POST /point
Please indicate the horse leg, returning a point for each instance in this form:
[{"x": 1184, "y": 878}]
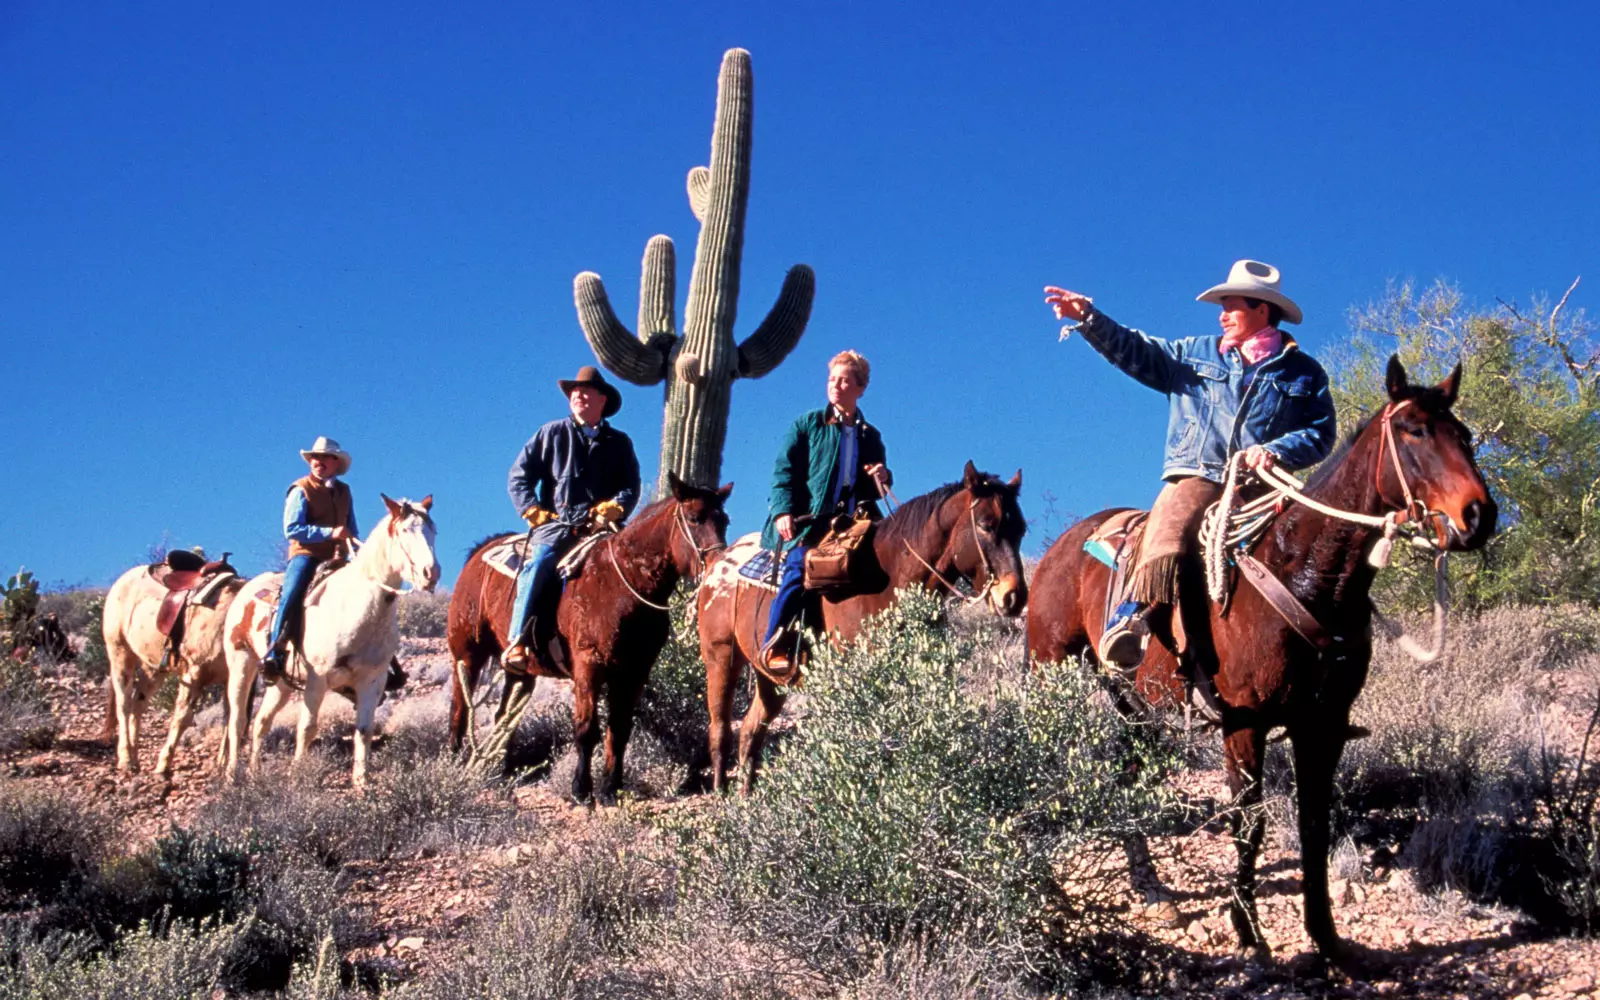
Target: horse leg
[
  {"x": 1245, "y": 749},
  {"x": 124, "y": 685},
  {"x": 182, "y": 716},
  {"x": 765, "y": 707},
  {"x": 241, "y": 675},
  {"x": 1316, "y": 756},
  {"x": 310, "y": 704},
  {"x": 722, "y": 682},
  {"x": 272, "y": 699},
  {"x": 622, "y": 694},
  {"x": 585, "y": 727},
  {"x": 366, "y": 708},
  {"x": 468, "y": 668}
]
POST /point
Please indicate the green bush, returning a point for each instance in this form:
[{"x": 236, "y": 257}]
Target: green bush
[
  {"x": 179, "y": 963},
  {"x": 913, "y": 801},
  {"x": 93, "y": 660},
  {"x": 672, "y": 707}
]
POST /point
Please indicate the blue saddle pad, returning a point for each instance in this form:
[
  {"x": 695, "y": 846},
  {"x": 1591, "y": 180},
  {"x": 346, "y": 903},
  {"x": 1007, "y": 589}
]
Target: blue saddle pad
[{"x": 760, "y": 567}]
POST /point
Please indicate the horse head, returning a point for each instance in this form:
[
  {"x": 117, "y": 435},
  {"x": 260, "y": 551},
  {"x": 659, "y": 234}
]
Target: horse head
[
  {"x": 1425, "y": 465},
  {"x": 985, "y": 544},
  {"x": 703, "y": 525},
  {"x": 408, "y": 536}
]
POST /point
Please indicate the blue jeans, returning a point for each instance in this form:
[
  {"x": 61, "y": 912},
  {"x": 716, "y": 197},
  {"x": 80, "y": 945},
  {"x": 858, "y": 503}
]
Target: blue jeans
[
  {"x": 533, "y": 581},
  {"x": 789, "y": 600},
  {"x": 296, "y": 579}
]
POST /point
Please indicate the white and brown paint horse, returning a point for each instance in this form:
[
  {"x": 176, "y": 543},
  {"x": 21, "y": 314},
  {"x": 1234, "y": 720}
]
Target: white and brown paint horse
[
  {"x": 351, "y": 632},
  {"x": 134, "y": 646}
]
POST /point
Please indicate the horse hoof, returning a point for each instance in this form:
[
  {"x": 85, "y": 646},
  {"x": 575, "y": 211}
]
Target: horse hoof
[{"x": 607, "y": 799}]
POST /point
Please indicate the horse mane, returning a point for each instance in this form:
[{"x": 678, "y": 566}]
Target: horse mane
[
  {"x": 910, "y": 516},
  {"x": 1428, "y": 397},
  {"x": 486, "y": 541}
]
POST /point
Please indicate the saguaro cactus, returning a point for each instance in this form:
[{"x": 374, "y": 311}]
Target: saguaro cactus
[{"x": 699, "y": 367}]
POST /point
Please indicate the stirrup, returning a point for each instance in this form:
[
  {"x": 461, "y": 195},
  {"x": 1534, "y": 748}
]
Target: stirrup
[
  {"x": 515, "y": 659},
  {"x": 1126, "y": 636}
]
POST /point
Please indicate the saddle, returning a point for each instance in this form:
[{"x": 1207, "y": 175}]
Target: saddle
[
  {"x": 833, "y": 568},
  {"x": 188, "y": 579}
]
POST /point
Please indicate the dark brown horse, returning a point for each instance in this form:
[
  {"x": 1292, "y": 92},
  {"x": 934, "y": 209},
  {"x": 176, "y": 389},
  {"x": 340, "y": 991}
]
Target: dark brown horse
[
  {"x": 969, "y": 530},
  {"x": 612, "y": 621},
  {"x": 1265, "y": 673}
]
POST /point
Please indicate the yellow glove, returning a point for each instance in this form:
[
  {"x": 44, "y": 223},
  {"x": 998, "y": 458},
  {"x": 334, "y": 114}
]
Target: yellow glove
[
  {"x": 606, "y": 512},
  {"x": 537, "y": 515}
]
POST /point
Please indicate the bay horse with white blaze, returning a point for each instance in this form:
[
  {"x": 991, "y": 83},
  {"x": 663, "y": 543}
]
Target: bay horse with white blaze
[
  {"x": 350, "y": 633},
  {"x": 969, "y": 530},
  {"x": 1413, "y": 462},
  {"x": 611, "y": 623}
]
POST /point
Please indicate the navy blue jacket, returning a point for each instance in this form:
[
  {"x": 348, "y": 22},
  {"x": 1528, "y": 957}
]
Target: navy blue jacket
[
  {"x": 562, "y": 470},
  {"x": 1216, "y": 405}
]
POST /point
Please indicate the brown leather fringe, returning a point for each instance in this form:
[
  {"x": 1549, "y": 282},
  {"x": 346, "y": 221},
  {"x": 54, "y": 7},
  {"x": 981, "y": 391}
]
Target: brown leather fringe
[{"x": 1156, "y": 581}]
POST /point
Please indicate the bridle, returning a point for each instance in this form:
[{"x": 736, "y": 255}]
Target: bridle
[
  {"x": 355, "y": 545},
  {"x": 977, "y": 541},
  {"x": 700, "y": 554}
]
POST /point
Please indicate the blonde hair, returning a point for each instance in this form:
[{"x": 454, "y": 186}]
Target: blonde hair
[{"x": 854, "y": 362}]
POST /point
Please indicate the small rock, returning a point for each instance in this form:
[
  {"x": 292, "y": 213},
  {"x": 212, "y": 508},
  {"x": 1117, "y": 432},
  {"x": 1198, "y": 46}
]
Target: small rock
[
  {"x": 1197, "y": 931},
  {"x": 410, "y": 944},
  {"x": 1580, "y": 982}
]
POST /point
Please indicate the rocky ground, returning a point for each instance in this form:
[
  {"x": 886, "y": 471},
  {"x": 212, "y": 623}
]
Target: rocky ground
[{"x": 1424, "y": 945}]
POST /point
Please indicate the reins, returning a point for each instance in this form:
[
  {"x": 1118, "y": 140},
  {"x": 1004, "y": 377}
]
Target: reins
[
  {"x": 682, "y": 524},
  {"x": 1229, "y": 526},
  {"x": 988, "y": 571}
]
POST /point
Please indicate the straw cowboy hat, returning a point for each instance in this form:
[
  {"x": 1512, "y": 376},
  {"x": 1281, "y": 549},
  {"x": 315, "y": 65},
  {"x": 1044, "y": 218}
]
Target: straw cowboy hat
[
  {"x": 328, "y": 446},
  {"x": 590, "y": 376},
  {"x": 1252, "y": 279}
]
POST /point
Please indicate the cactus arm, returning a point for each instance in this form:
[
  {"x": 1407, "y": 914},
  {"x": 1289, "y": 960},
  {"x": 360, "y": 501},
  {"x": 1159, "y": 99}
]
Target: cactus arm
[
  {"x": 657, "y": 290},
  {"x": 614, "y": 344},
  {"x": 772, "y": 341},
  {"x": 699, "y": 191}
]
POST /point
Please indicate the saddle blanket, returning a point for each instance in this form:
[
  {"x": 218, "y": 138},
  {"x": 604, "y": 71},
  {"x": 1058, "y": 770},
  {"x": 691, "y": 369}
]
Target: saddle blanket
[
  {"x": 505, "y": 556},
  {"x": 752, "y": 564}
]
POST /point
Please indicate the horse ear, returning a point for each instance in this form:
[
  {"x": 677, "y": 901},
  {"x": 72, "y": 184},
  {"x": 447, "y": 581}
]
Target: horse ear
[
  {"x": 1394, "y": 380},
  {"x": 969, "y": 475},
  {"x": 1016, "y": 482},
  {"x": 722, "y": 494},
  {"x": 674, "y": 485},
  {"x": 426, "y": 503},
  {"x": 395, "y": 510},
  {"x": 1451, "y": 386}
]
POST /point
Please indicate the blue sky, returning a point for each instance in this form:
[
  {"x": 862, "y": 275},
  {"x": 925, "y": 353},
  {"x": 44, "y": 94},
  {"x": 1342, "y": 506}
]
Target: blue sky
[{"x": 233, "y": 227}]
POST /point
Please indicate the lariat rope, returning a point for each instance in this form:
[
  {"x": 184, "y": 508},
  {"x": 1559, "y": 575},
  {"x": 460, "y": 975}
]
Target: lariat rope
[{"x": 1243, "y": 524}]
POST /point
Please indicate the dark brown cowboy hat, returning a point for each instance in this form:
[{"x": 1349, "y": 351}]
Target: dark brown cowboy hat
[{"x": 590, "y": 376}]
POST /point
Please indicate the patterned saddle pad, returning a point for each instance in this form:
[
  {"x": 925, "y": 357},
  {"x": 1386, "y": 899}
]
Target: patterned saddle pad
[
  {"x": 505, "y": 556},
  {"x": 746, "y": 562}
]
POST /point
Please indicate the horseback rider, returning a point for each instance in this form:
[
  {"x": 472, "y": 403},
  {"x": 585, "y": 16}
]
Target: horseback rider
[
  {"x": 318, "y": 516},
  {"x": 832, "y": 462},
  {"x": 575, "y": 475},
  {"x": 1251, "y": 389}
]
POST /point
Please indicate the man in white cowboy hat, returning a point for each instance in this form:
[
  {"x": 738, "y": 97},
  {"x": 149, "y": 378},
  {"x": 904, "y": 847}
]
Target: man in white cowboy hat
[
  {"x": 318, "y": 515},
  {"x": 575, "y": 474},
  {"x": 1249, "y": 389}
]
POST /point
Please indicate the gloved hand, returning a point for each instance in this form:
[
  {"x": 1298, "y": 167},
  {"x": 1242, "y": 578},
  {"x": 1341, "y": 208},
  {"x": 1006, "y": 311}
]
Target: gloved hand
[
  {"x": 606, "y": 512},
  {"x": 537, "y": 515}
]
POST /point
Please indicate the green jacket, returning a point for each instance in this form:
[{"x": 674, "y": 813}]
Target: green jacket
[{"x": 808, "y": 464}]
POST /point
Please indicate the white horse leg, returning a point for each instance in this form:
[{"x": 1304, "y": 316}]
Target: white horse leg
[
  {"x": 310, "y": 705},
  {"x": 182, "y": 716},
  {"x": 272, "y": 699},
  {"x": 241, "y": 675},
  {"x": 366, "y": 710},
  {"x": 124, "y": 680}
]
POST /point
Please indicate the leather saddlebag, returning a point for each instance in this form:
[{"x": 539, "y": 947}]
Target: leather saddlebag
[{"x": 830, "y": 567}]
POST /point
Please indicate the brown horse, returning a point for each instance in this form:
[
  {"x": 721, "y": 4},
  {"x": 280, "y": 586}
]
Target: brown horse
[
  {"x": 612, "y": 621},
  {"x": 967, "y": 530},
  {"x": 1415, "y": 458}
]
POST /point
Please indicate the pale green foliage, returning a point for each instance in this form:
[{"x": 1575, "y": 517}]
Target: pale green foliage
[
  {"x": 182, "y": 963},
  {"x": 915, "y": 798},
  {"x": 1531, "y": 380}
]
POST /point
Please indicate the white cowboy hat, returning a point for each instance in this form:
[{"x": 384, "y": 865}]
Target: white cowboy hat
[
  {"x": 1252, "y": 279},
  {"x": 328, "y": 446}
]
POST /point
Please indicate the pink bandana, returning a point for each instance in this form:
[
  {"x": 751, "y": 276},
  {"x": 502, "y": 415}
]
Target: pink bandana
[{"x": 1256, "y": 349}]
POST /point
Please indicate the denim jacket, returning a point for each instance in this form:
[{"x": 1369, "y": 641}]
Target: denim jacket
[
  {"x": 565, "y": 471},
  {"x": 1217, "y": 405}
]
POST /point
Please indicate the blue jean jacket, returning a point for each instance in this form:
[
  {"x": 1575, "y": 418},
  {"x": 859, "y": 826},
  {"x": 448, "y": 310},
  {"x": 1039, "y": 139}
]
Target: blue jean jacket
[{"x": 1216, "y": 405}]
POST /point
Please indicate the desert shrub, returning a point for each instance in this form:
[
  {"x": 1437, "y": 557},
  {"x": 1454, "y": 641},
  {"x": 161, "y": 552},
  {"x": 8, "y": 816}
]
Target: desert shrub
[
  {"x": 26, "y": 722},
  {"x": 93, "y": 660},
  {"x": 78, "y": 609},
  {"x": 433, "y": 801},
  {"x": 50, "y": 844},
  {"x": 424, "y": 614},
  {"x": 912, "y": 802},
  {"x": 177, "y": 963},
  {"x": 1567, "y": 788},
  {"x": 556, "y": 925}
]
